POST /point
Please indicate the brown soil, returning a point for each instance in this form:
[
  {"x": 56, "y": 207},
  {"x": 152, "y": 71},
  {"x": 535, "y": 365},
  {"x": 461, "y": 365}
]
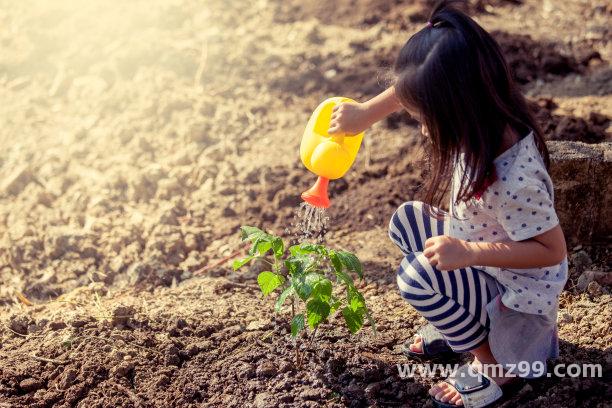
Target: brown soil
[{"x": 131, "y": 157}]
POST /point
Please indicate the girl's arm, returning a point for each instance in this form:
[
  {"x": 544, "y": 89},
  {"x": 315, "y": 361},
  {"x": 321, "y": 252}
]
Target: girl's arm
[
  {"x": 447, "y": 253},
  {"x": 353, "y": 118}
]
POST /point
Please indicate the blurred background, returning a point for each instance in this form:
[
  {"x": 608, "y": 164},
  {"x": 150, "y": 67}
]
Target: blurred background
[{"x": 137, "y": 136}]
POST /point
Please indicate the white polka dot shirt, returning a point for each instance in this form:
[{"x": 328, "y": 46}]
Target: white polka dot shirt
[{"x": 518, "y": 205}]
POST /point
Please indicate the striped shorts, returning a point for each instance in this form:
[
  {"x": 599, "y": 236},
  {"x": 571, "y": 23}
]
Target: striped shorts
[{"x": 452, "y": 301}]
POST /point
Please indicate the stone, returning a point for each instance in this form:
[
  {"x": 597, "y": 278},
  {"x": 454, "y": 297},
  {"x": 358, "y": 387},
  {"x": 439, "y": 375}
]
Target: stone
[
  {"x": 16, "y": 181},
  {"x": 19, "y": 324},
  {"x": 580, "y": 261},
  {"x": 123, "y": 369},
  {"x": 122, "y": 315},
  {"x": 172, "y": 357},
  {"x": 564, "y": 317},
  {"x": 580, "y": 173},
  {"x": 266, "y": 369},
  {"x": 68, "y": 378},
  {"x": 57, "y": 325},
  {"x": 263, "y": 400},
  {"x": 31, "y": 384}
]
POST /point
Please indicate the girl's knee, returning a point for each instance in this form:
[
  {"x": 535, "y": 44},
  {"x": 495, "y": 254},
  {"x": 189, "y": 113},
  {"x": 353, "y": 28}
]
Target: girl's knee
[
  {"x": 412, "y": 276},
  {"x": 400, "y": 227}
]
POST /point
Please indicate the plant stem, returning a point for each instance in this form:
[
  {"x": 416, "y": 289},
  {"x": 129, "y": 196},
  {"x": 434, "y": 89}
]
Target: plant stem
[
  {"x": 298, "y": 360},
  {"x": 314, "y": 333}
]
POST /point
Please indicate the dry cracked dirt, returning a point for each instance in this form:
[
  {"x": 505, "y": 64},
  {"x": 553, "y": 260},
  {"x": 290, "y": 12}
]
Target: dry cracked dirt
[{"x": 138, "y": 136}]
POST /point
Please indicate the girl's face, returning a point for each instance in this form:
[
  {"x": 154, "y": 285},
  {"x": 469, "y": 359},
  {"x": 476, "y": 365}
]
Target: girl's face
[{"x": 415, "y": 114}]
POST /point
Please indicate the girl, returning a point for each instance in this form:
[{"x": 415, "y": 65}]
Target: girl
[{"x": 487, "y": 274}]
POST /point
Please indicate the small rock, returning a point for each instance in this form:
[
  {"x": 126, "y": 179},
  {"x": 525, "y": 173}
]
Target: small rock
[
  {"x": 583, "y": 281},
  {"x": 310, "y": 395},
  {"x": 172, "y": 357},
  {"x": 245, "y": 371},
  {"x": 57, "y": 325},
  {"x": 581, "y": 260},
  {"x": 31, "y": 384},
  {"x": 123, "y": 369},
  {"x": 263, "y": 400},
  {"x": 256, "y": 325},
  {"x": 413, "y": 389},
  {"x": 527, "y": 388},
  {"x": 285, "y": 367},
  {"x": 68, "y": 378},
  {"x": 353, "y": 392},
  {"x": 19, "y": 324},
  {"x": 229, "y": 212},
  {"x": 192, "y": 350},
  {"x": 595, "y": 289},
  {"x": 122, "y": 315},
  {"x": 79, "y": 322},
  {"x": 565, "y": 317},
  {"x": 373, "y": 389},
  {"x": 15, "y": 182},
  {"x": 267, "y": 369}
]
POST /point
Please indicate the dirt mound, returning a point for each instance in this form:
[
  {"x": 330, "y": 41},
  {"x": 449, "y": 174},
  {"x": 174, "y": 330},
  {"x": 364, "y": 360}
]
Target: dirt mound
[
  {"x": 530, "y": 60},
  {"x": 396, "y": 14},
  {"x": 592, "y": 129},
  {"x": 197, "y": 345}
]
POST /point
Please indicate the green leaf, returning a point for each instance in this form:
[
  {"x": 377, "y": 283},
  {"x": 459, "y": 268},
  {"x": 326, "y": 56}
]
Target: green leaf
[
  {"x": 278, "y": 247},
  {"x": 345, "y": 278},
  {"x": 316, "y": 312},
  {"x": 262, "y": 241},
  {"x": 250, "y": 233},
  {"x": 239, "y": 263},
  {"x": 335, "y": 260},
  {"x": 307, "y": 248},
  {"x": 355, "y": 300},
  {"x": 297, "y": 324},
  {"x": 351, "y": 262},
  {"x": 301, "y": 285},
  {"x": 322, "y": 289},
  {"x": 353, "y": 319},
  {"x": 282, "y": 297},
  {"x": 334, "y": 304},
  {"x": 261, "y": 246},
  {"x": 268, "y": 281},
  {"x": 298, "y": 264}
]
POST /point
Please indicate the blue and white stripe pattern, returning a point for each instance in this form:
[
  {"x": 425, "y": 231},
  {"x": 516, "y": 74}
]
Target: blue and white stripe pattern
[{"x": 453, "y": 301}]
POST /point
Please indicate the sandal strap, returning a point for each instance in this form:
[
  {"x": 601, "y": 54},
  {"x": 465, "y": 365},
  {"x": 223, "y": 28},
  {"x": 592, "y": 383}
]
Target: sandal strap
[
  {"x": 433, "y": 341},
  {"x": 476, "y": 389}
]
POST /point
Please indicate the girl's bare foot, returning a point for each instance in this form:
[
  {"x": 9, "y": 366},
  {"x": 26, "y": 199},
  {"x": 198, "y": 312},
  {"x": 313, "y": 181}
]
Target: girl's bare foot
[{"x": 417, "y": 345}]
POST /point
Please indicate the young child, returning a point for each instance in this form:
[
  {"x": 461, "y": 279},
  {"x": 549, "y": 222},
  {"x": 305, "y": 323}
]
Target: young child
[{"x": 487, "y": 273}]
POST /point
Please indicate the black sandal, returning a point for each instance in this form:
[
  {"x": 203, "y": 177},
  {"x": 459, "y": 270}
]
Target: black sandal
[
  {"x": 435, "y": 346},
  {"x": 476, "y": 390}
]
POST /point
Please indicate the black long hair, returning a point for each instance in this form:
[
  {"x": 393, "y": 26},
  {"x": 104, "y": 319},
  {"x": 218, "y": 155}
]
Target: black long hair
[{"x": 453, "y": 72}]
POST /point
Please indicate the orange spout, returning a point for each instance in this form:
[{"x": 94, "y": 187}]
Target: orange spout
[{"x": 317, "y": 194}]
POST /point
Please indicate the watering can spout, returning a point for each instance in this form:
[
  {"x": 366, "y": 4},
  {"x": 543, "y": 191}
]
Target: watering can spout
[{"x": 317, "y": 194}]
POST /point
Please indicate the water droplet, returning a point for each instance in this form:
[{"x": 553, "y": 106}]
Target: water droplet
[{"x": 310, "y": 224}]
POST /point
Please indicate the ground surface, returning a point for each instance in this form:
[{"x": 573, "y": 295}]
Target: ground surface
[{"x": 138, "y": 136}]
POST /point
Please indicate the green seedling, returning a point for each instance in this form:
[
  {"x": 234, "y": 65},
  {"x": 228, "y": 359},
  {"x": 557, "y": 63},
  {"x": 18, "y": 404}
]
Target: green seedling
[{"x": 315, "y": 280}]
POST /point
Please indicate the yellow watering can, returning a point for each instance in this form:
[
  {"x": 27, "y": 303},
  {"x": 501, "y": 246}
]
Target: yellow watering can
[{"x": 327, "y": 156}]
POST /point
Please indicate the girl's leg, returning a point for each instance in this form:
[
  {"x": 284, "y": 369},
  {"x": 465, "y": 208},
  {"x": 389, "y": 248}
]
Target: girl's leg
[
  {"x": 452, "y": 301},
  {"x": 411, "y": 225},
  {"x": 409, "y": 228}
]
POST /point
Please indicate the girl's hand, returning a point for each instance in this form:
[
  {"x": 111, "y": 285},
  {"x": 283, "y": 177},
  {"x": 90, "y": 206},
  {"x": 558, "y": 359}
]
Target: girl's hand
[
  {"x": 350, "y": 118},
  {"x": 447, "y": 253}
]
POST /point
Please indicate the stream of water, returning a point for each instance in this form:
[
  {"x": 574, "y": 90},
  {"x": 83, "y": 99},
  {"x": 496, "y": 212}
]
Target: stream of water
[{"x": 309, "y": 224}]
